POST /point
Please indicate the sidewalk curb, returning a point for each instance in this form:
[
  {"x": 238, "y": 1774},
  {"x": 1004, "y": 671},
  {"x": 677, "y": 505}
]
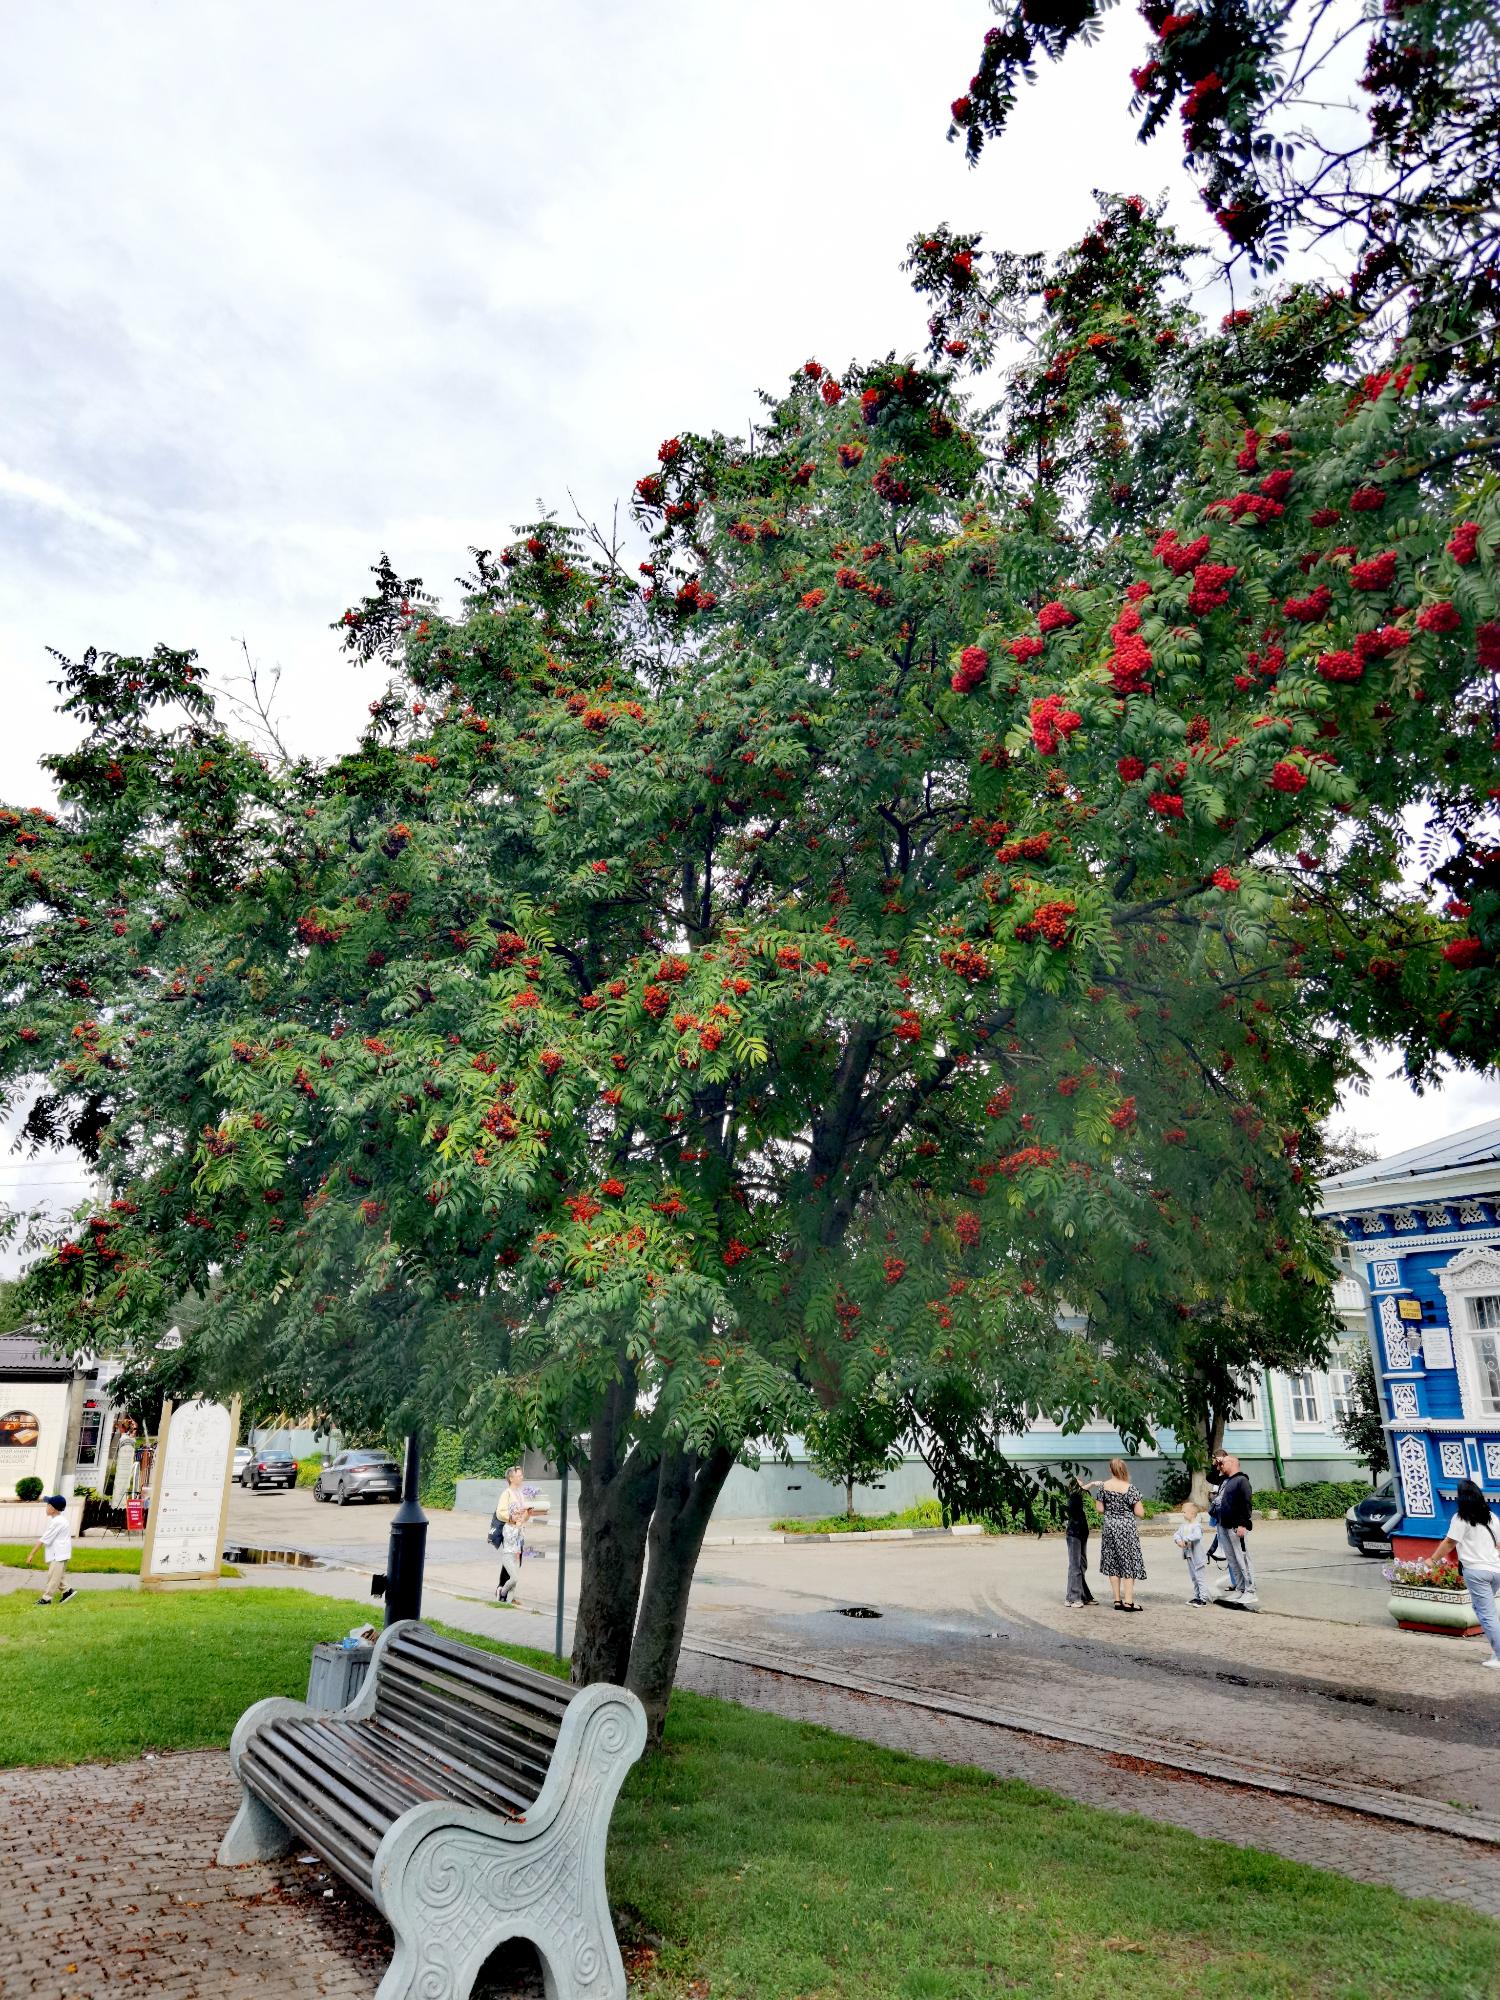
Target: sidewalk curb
[{"x": 1366, "y": 1800}]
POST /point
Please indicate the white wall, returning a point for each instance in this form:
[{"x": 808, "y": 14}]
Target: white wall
[{"x": 48, "y": 1403}]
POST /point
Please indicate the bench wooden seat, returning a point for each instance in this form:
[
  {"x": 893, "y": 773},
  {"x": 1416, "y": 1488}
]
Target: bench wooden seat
[{"x": 467, "y": 1797}]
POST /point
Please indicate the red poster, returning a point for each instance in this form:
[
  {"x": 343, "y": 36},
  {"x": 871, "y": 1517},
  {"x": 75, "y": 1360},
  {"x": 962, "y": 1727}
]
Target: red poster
[{"x": 135, "y": 1516}]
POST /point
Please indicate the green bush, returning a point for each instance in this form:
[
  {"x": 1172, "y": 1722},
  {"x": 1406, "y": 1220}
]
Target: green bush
[
  {"x": 29, "y": 1488},
  {"x": 308, "y": 1468},
  {"x": 1313, "y": 1500},
  {"x": 451, "y": 1456}
]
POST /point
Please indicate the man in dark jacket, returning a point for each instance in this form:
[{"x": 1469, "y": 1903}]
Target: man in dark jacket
[
  {"x": 1077, "y": 1538},
  {"x": 1234, "y": 1530}
]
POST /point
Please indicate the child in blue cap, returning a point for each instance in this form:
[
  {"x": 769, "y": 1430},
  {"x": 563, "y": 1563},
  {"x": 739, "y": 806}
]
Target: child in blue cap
[{"x": 57, "y": 1540}]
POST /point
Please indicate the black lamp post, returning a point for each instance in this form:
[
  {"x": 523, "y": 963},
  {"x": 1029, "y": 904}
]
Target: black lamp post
[{"x": 401, "y": 1584}]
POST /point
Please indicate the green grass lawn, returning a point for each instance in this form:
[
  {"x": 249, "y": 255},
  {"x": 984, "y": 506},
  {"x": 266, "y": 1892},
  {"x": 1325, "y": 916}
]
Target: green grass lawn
[
  {"x": 781, "y": 1862},
  {"x": 83, "y": 1561}
]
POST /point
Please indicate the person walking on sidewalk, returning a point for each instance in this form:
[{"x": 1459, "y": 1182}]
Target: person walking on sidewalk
[
  {"x": 1234, "y": 1530},
  {"x": 1472, "y": 1537},
  {"x": 56, "y": 1539},
  {"x": 507, "y": 1534},
  {"x": 1120, "y": 1542},
  {"x": 1189, "y": 1538},
  {"x": 1077, "y": 1533}
]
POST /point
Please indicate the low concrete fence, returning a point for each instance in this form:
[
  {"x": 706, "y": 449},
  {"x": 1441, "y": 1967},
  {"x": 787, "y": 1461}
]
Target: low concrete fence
[{"x": 24, "y": 1520}]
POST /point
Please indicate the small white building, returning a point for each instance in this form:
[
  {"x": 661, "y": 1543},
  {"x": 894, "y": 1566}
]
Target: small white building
[{"x": 57, "y": 1421}]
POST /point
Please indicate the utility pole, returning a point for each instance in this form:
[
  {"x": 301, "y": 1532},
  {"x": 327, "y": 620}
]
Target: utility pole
[{"x": 562, "y": 1561}]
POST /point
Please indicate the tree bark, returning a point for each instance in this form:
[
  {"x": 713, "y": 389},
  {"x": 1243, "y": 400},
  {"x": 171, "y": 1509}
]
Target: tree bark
[
  {"x": 1214, "y": 1431},
  {"x": 614, "y": 1505},
  {"x": 687, "y": 1488}
]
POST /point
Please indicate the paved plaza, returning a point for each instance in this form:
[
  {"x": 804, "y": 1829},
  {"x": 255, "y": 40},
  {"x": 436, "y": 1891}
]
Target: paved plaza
[{"x": 111, "y": 1892}]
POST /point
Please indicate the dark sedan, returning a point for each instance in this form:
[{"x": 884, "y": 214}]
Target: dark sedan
[
  {"x": 358, "y": 1475},
  {"x": 270, "y": 1468},
  {"x": 1370, "y": 1523}
]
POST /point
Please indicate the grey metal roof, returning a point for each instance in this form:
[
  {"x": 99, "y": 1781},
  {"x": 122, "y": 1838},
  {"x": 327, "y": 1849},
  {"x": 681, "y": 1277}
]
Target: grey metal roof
[
  {"x": 23, "y": 1354},
  {"x": 1476, "y": 1146}
]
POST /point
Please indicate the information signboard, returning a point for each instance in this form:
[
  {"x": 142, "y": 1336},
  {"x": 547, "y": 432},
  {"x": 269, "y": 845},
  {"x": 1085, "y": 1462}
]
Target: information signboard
[{"x": 190, "y": 1483}]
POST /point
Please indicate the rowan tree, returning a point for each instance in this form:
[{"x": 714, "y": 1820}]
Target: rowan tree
[{"x": 944, "y": 886}]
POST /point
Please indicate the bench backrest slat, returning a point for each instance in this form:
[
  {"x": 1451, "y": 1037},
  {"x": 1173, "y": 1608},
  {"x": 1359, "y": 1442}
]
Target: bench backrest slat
[
  {"x": 539, "y": 1702},
  {"x": 487, "y": 1715},
  {"x": 490, "y": 1714},
  {"x": 548, "y": 1693}
]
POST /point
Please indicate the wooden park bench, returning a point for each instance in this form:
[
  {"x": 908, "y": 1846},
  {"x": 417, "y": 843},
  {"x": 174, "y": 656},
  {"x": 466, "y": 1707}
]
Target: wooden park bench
[{"x": 466, "y": 1797}]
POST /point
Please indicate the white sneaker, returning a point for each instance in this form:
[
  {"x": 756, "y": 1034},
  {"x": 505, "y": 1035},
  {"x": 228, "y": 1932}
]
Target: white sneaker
[
  {"x": 1483, "y": 1663},
  {"x": 1249, "y": 1599}
]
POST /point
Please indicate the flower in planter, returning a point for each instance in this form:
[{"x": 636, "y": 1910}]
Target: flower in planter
[{"x": 1425, "y": 1573}]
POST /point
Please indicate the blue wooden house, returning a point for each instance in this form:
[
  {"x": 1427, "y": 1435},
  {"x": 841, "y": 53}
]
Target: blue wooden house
[{"x": 1422, "y": 1236}]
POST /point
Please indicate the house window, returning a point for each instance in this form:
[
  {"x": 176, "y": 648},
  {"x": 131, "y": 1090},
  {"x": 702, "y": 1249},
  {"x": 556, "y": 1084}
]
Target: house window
[
  {"x": 1340, "y": 1386},
  {"x": 1246, "y": 1412},
  {"x": 1304, "y": 1392},
  {"x": 1484, "y": 1351},
  {"x": 88, "y": 1434}
]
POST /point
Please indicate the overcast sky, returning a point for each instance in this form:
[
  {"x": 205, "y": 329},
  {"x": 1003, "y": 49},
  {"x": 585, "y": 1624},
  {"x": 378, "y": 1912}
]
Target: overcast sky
[{"x": 287, "y": 285}]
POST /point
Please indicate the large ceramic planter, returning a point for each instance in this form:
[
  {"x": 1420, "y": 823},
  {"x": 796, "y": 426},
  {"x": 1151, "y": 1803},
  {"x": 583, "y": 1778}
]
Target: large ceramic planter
[{"x": 1446, "y": 1611}]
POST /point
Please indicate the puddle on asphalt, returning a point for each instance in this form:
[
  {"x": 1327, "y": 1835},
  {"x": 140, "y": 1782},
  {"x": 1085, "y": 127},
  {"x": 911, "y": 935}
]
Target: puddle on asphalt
[
  {"x": 857, "y": 1611},
  {"x": 286, "y": 1558}
]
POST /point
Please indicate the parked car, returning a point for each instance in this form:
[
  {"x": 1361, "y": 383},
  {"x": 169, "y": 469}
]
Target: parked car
[
  {"x": 1371, "y": 1522},
  {"x": 242, "y": 1457},
  {"x": 358, "y": 1475},
  {"x": 269, "y": 1468}
]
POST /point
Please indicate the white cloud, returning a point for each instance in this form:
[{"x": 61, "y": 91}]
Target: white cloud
[{"x": 51, "y": 499}]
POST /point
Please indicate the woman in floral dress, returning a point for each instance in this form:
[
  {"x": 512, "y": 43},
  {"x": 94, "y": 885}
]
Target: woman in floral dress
[{"x": 1120, "y": 1543}]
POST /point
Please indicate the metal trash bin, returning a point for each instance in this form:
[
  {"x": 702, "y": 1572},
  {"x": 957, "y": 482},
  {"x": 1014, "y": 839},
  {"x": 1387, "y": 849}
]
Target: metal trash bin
[{"x": 337, "y": 1675}]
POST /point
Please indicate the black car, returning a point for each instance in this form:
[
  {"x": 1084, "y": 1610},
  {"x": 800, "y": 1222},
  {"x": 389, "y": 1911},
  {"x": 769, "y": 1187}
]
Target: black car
[
  {"x": 358, "y": 1475},
  {"x": 1370, "y": 1523},
  {"x": 270, "y": 1468}
]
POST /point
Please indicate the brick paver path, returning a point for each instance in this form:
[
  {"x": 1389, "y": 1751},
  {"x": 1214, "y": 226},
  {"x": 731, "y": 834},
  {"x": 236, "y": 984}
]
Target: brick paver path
[{"x": 109, "y": 1890}]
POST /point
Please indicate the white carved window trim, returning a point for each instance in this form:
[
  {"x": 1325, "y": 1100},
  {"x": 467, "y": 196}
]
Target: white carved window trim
[
  {"x": 1471, "y": 1275},
  {"x": 1393, "y": 1336},
  {"x": 1404, "y": 1399},
  {"x": 1416, "y": 1479}
]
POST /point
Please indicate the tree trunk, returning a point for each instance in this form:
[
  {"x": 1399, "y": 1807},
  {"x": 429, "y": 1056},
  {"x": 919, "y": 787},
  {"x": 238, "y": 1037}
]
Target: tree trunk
[
  {"x": 1214, "y": 1432},
  {"x": 614, "y": 1505},
  {"x": 614, "y": 1518},
  {"x": 686, "y": 1492},
  {"x": 849, "y": 1498}
]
